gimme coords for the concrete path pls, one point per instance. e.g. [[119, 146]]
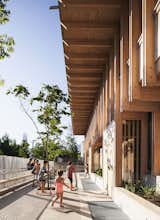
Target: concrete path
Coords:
[[104, 209], [89, 202], [25, 203]]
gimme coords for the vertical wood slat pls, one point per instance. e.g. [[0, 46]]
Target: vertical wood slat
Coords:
[[116, 109], [134, 34], [143, 145], [156, 143], [125, 156], [148, 28], [137, 148]]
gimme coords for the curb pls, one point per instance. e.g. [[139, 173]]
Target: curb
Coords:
[[12, 188]]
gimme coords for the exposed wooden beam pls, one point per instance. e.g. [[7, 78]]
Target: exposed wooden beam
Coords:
[[86, 70], [82, 66], [80, 95], [82, 79], [83, 117], [77, 101], [87, 55], [73, 104], [82, 102], [83, 75], [84, 95], [84, 84], [75, 67], [89, 43], [86, 60], [81, 114], [81, 107], [87, 111], [91, 4], [85, 26], [82, 90]]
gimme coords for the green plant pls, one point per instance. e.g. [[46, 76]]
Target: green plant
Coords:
[[99, 172], [140, 189], [6, 43], [130, 187], [148, 191]]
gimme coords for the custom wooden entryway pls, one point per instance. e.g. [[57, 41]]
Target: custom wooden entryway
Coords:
[[131, 152]]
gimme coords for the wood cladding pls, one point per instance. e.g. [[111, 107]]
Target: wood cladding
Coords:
[[102, 40]]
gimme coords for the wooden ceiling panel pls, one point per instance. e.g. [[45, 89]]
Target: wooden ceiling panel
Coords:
[[84, 75], [86, 12], [90, 34], [86, 61], [87, 50], [88, 28]]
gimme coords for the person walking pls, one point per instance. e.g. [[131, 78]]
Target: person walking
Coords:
[[70, 170], [35, 171], [59, 188], [87, 170], [43, 175]]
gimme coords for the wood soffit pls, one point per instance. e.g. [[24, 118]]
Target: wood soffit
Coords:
[[88, 29]]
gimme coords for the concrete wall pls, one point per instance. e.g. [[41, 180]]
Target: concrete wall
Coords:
[[109, 157], [134, 206], [98, 180]]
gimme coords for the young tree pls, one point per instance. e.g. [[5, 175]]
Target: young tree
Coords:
[[38, 151], [6, 43], [23, 148], [49, 106], [72, 147]]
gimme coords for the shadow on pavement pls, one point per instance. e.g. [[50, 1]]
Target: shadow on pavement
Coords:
[[13, 196], [38, 197], [75, 200], [77, 209], [106, 210]]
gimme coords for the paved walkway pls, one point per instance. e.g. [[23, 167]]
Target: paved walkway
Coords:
[[89, 202], [25, 203]]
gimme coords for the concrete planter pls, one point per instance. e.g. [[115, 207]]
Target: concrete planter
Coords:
[[97, 179], [135, 206]]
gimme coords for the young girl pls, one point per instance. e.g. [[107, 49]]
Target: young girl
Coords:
[[59, 188]]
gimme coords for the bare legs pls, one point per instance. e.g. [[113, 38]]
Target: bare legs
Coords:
[[58, 195], [43, 186]]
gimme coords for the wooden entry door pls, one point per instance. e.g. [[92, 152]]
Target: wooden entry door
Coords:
[[131, 145]]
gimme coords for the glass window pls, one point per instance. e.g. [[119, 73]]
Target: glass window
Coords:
[[140, 44], [158, 34], [157, 15]]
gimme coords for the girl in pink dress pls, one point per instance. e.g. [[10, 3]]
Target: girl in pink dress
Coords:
[[59, 188]]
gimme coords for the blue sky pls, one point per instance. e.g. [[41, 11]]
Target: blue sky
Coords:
[[38, 58]]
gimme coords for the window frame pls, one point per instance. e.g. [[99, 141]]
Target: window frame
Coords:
[[157, 30], [141, 62]]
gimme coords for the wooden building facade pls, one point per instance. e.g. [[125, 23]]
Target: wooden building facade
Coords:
[[112, 57]]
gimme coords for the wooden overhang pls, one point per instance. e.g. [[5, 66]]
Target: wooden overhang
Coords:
[[88, 29]]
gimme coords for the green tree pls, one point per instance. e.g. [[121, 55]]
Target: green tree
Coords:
[[72, 146], [6, 43], [24, 148], [8, 146], [49, 106], [38, 151]]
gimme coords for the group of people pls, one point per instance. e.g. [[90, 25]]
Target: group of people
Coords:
[[41, 174]]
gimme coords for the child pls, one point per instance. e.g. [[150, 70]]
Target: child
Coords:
[[59, 188]]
